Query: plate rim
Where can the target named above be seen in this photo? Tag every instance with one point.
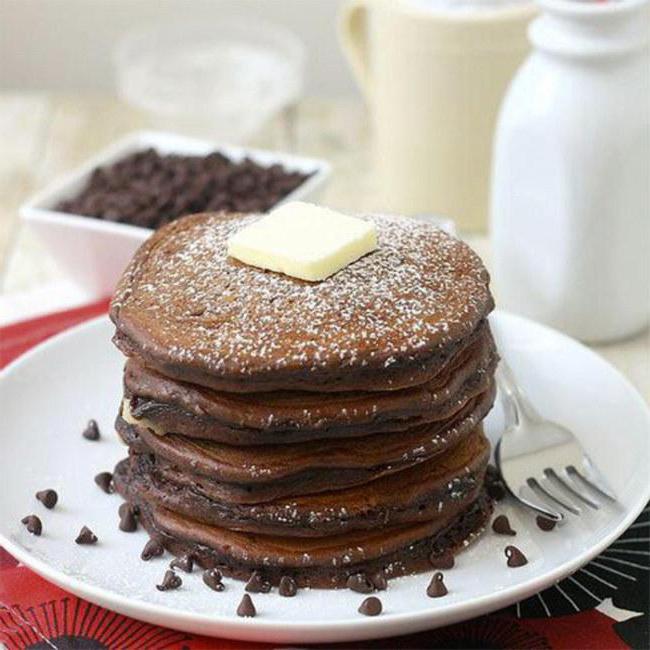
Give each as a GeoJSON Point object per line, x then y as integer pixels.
{"type": "Point", "coordinates": [390, 624]}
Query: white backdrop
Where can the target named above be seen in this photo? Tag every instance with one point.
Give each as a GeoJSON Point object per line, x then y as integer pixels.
{"type": "Point", "coordinates": [67, 44]}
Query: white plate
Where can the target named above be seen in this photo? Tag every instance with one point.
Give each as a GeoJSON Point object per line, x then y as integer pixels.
{"type": "Point", "coordinates": [47, 396]}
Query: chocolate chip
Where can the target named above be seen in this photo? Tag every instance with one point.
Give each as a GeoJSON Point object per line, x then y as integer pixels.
{"type": "Point", "coordinates": [288, 587]}
{"type": "Point", "coordinates": [544, 523]}
{"type": "Point", "coordinates": [91, 432]}
{"type": "Point", "coordinates": [86, 536]}
{"type": "Point", "coordinates": [501, 526]}
{"type": "Point", "coordinates": [370, 606]}
{"type": "Point", "coordinates": [128, 520]}
{"type": "Point", "coordinates": [442, 560]}
{"type": "Point", "coordinates": [105, 482]}
{"type": "Point", "coordinates": [170, 581]}
{"type": "Point", "coordinates": [437, 588]}
{"type": "Point", "coordinates": [152, 548]}
{"type": "Point", "coordinates": [257, 585]}
{"type": "Point", "coordinates": [126, 506]}
{"type": "Point", "coordinates": [378, 580]}
{"type": "Point", "coordinates": [360, 583]}
{"type": "Point", "coordinates": [184, 563]}
{"type": "Point", "coordinates": [246, 608]}
{"type": "Point", "coordinates": [212, 578]}
{"type": "Point", "coordinates": [33, 524]}
{"type": "Point", "coordinates": [496, 491]}
{"type": "Point", "coordinates": [515, 557]}
{"type": "Point", "coordinates": [48, 498]}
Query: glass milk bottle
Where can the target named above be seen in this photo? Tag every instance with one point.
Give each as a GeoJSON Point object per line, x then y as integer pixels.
{"type": "Point", "coordinates": [570, 204]}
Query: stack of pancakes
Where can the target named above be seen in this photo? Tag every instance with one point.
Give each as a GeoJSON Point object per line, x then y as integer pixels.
{"type": "Point", "coordinates": [315, 430]}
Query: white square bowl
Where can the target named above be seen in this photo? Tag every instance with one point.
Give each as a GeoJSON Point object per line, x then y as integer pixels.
{"type": "Point", "coordinates": [94, 252]}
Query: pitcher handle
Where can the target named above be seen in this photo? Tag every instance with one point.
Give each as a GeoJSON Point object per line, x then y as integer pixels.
{"type": "Point", "coordinates": [353, 36]}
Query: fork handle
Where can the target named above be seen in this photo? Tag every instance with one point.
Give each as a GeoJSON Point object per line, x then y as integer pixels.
{"type": "Point", "coordinates": [521, 406]}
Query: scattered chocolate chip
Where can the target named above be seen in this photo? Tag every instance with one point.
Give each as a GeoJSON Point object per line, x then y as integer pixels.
{"type": "Point", "coordinates": [212, 578]}
{"type": "Point", "coordinates": [496, 491]}
{"type": "Point", "coordinates": [48, 498]}
{"type": "Point", "coordinates": [246, 608]}
{"type": "Point", "coordinates": [170, 581]}
{"type": "Point", "coordinates": [544, 523]}
{"type": "Point", "coordinates": [360, 583]}
{"type": "Point", "coordinates": [152, 548]}
{"type": "Point", "coordinates": [378, 580]}
{"type": "Point", "coordinates": [86, 536]}
{"type": "Point", "coordinates": [91, 432]}
{"type": "Point", "coordinates": [515, 557]}
{"type": "Point", "coordinates": [33, 524]}
{"type": "Point", "coordinates": [105, 481]}
{"type": "Point", "coordinates": [184, 563]}
{"type": "Point", "coordinates": [126, 506]}
{"type": "Point", "coordinates": [128, 520]}
{"type": "Point", "coordinates": [288, 587]}
{"type": "Point", "coordinates": [501, 526]}
{"type": "Point", "coordinates": [370, 606]}
{"type": "Point", "coordinates": [442, 560]}
{"type": "Point", "coordinates": [437, 588]}
{"type": "Point", "coordinates": [257, 585]}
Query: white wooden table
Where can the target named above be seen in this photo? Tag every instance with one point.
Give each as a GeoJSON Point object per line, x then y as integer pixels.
{"type": "Point", "coordinates": [44, 135]}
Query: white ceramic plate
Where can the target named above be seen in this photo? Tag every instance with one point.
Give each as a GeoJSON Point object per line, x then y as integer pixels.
{"type": "Point", "coordinates": [47, 396]}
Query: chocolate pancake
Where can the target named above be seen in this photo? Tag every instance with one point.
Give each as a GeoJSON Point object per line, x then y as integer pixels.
{"type": "Point", "coordinates": [289, 417]}
{"type": "Point", "coordinates": [271, 471]}
{"type": "Point", "coordinates": [423, 492]}
{"type": "Point", "coordinates": [389, 320]}
{"type": "Point", "coordinates": [324, 562]}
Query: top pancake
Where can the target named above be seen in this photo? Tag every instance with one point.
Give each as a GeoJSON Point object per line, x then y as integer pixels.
{"type": "Point", "coordinates": [388, 321]}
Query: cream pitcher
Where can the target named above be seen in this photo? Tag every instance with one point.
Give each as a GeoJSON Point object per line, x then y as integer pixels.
{"type": "Point", "coordinates": [434, 73]}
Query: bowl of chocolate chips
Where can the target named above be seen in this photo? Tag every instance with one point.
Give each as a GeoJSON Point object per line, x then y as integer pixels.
{"type": "Point", "coordinates": [94, 219]}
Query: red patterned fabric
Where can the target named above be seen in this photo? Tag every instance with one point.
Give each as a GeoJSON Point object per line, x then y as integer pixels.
{"type": "Point", "coordinates": [37, 614]}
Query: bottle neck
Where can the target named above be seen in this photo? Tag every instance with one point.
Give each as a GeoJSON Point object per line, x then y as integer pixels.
{"type": "Point", "coordinates": [589, 29]}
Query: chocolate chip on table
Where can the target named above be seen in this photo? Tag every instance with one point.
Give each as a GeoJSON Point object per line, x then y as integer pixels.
{"type": "Point", "coordinates": [126, 506]}
{"type": "Point", "coordinates": [246, 608]}
{"type": "Point", "coordinates": [288, 587]}
{"type": "Point", "coordinates": [501, 526]}
{"type": "Point", "coordinates": [128, 519]}
{"type": "Point", "coordinates": [515, 557]}
{"type": "Point", "coordinates": [86, 536]}
{"type": "Point", "coordinates": [152, 548]}
{"type": "Point", "coordinates": [370, 606]}
{"type": "Point", "coordinates": [257, 585]}
{"type": "Point", "coordinates": [442, 560]}
{"type": "Point", "coordinates": [33, 524]}
{"type": "Point", "coordinates": [212, 578]}
{"type": "Point", "coordinates": [48, 498]}
{"type": "Point", "coordinates": [360, 583]}
{"type": "Point", "coordinates": [105, 482]}
{"type": "Point", "coordinates": [378, 580]}
{"type": "Point", "coordinates": [183, 562]}
{"type": "Point", "coordinates": [170, 581]}
{"type": "Point", "coordinates": [437, 588]}
{"type": "Point", "coordinates": [91, 432]}
{"type": "Point", "coordinates": [544, 523]}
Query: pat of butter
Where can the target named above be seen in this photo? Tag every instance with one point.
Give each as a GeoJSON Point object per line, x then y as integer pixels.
{"type": "Point", "coordinates": [303, 240]}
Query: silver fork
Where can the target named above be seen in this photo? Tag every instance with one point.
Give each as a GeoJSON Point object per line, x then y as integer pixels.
{"type": "Point", "coordinates": [546, 457]}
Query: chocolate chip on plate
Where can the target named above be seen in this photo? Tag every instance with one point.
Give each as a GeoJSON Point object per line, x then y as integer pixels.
{"type": "Point", "coordinates": [48, 498]}
{"type": "Point", "coordinates": [360, 583]}
{"type": "Point", "coordinates": [183, 562]}
{"type": "Point", "coordinates": [496, 491]}
{"type": "Point", "coordinates": [170, 581]}
{"type": "Point", "coordinates": [33, 524]}
{"type": "Point", "coordinates": [246, 608]}
{"type": "Point", "coordinates": [437, 588]}
{"type": "Point", "coordinates": [153, 548]}
{"type": "Point", "coordinates": [544, 523]}
{"type": "Point", "coordinates": [105, 482]}
{"type": "Point", "coordinates": [212, 578]}
{"type": "Point", "coordinates": [86, 536]}
{"type": "Point", "coordinates": [515, 557]}
{"type": "Point", "coordinates": [370, 606]}
{"type": "Point", "coordinates": [442, 560]}
{"type": "Point", "coordinates": [257, 585]}
{"type": "Point", "coordinates": [501, 526]}
{"type": "Point", "coordinates": [91, 432]}
{"type": "Point", "coordinates": [128, 520]}
{"type": "Point", "coordinates": [378, 580]}
{"type": "Point", "coordinates": [288, 587]}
